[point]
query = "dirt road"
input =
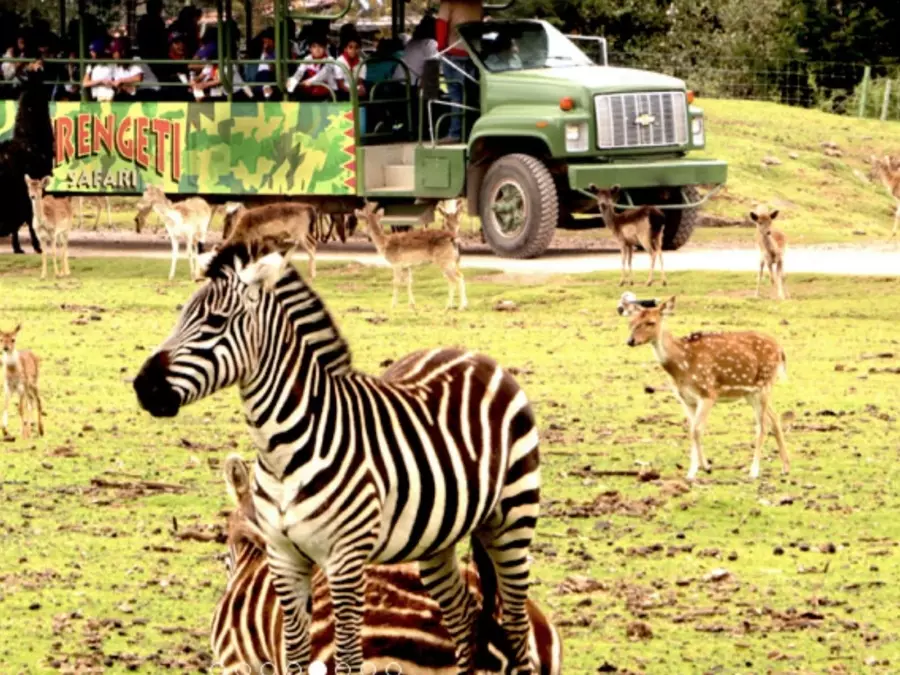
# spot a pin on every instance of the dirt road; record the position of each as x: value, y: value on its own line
x: 874, y: 259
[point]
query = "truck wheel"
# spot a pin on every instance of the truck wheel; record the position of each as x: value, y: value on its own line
x: 680, y: 224
x: 519, y: 206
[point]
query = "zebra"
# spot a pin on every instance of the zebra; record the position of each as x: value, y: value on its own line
x: 355, y: 469
x: 402, y: 630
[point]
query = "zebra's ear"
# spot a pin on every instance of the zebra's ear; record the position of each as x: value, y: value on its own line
x: 204, y: 259
x: 237, y: 478
x: 264, y: 272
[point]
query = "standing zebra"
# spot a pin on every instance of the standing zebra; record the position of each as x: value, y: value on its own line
x: 354, y: 469
x: 402, y: 624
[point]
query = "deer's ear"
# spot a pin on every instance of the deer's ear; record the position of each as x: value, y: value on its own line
x: 237, y: 478
x: 17, y: 329
x: 773, y: 215
x: 264, y: 272
x: 379, y: 214
x: 593, y: 188
x: 615, y: 190
x: 668, y: 307
x: 45, y: 181
x: 754, y: 217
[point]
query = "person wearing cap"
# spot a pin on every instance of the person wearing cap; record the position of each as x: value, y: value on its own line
x: 99, y: 78
x: 127, y: 77
x: 451, y: 14
x: 265, y: 72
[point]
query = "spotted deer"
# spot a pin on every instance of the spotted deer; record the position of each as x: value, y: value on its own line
x: 188, y: 220
x: 52, y: 222
x: 20, y: 378
x: 641, y: 226
x: 279, y: 224
x: 451, y: 212
x: 401, y: 623
x: 771, y: 244
x: 708, y: 367
x: 888, y: 170
x: 405, y: 250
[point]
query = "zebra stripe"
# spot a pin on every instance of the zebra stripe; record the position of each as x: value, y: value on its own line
x: 353, y: 469
x: 402, y: 623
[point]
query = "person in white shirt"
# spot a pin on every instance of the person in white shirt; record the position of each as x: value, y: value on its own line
x: 350, y: 59
x: 315, y: 81
x: 421, y: 48
x: 99, y: 78
x: 127, y: 77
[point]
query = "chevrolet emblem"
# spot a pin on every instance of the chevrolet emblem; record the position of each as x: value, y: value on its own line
x: 645, y: 120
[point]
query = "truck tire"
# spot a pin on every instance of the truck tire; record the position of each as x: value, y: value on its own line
x: 680, y: 224
x: 519, y: 206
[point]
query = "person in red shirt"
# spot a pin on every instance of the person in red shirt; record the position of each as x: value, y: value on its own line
x: 451, y: 14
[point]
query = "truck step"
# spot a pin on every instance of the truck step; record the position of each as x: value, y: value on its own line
x: 401, y: 177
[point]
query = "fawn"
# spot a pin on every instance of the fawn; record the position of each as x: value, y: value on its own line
x: 278, y: 224
x: 771, y: 244
x: 20, y: 377
x: 643, y: 225
x: 188, y: 220
x: 452, y: 215
x: 404, y: 250
x: 52, y: 223
x: 889, y: 172
x: 709, y: 367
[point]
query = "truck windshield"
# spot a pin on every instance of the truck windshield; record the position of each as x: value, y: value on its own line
x: 521, y: 45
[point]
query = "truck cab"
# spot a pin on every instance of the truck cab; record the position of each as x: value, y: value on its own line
x: 542, y: 122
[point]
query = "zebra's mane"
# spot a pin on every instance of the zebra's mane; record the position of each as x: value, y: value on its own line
x: 222, y: 266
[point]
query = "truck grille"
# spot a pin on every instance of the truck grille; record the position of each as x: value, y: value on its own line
x: 641, y: 120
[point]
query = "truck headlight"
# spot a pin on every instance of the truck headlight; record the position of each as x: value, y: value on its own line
x: 576, y: 137
x: 698, y: 137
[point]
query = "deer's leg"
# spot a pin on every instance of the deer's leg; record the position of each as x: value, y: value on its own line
x: 779, y: 269
x: 291, y: 576
x: 43, y: 264
x: 646, y: 242
x: 409, y: 292
x: 450, y: 276
x: 174, y: 257
x: 443, y: 582
x: 108, y: 213
x: 7, y: 394
x: 24, y: 420
x: 762, y: 265
x: 896, y: 223
x: 759, y: 402
x: 463, y: 300
x: 65, y: 253
x: 397, y: 273
x: 623, y: 250
x: 659, y: 256
x: 698, y: 424
x: 39, y: 409
x: 779, y: 438
x: 35, y: 240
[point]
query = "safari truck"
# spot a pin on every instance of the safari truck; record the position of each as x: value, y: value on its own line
x: 542, y: 121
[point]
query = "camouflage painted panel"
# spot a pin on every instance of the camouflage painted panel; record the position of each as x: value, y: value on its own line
x: 201, y: 148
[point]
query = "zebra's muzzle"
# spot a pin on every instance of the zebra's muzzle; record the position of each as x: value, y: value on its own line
x: 154, y: 392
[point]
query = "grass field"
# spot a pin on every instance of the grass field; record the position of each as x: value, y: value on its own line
x: 822, y: 199
x: 94, y: 574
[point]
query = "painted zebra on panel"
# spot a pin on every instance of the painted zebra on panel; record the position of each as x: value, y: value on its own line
x: 355, y: 469
x: 402, y: 630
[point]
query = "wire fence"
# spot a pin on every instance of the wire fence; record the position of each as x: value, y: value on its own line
x: 856, y: 89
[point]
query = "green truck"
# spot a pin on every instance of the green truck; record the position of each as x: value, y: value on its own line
x: 542, y: 122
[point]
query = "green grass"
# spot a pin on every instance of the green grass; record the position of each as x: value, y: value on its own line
x: 822, y: 199
x: 93, y: 575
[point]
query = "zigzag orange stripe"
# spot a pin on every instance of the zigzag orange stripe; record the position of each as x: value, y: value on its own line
x: 350, y: 150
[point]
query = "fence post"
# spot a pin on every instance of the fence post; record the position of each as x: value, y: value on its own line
x: 864, y: 97
x: 886, y: 104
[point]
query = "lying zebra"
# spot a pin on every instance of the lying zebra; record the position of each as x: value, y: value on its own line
x: 402, y: 624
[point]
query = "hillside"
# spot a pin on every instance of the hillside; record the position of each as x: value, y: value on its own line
x: 821, y: 198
